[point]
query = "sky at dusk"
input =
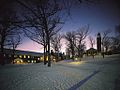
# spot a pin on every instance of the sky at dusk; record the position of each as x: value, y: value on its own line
x: 100, y: 17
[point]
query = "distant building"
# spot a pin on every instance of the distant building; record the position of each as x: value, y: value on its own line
x: 22, y: 56
x: 27, y: 57
x: 98, y: 42
x: 91, y: 52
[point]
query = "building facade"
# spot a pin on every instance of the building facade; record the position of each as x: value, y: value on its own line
x: 22, y: 56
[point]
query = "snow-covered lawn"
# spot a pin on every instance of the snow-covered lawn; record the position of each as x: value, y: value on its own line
x: 62, y: 75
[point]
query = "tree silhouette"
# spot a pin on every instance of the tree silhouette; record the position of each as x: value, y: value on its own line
x: 14, y: 42
x: 105, y: 40
x: 8, y: 25
x: 71, y: 38
x: 92, y: 41
x: 43, y: 21
x: 76, y: 41
x: 56, y: 44
x: 116, y: 40
x: 81, y: 36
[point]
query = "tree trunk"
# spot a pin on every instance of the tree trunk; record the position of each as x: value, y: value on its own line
x: 13, y: 56
x: 73, y: 53
x: 49, y: 58
x: 45, y: 49
x: 78, y: 52
x: 106, y: 49
x: 2, y: 45
x: 103, y: 51
x: 2, y: 54
x: 57, y: 55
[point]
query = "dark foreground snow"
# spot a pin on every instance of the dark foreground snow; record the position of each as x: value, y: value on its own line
x: 89, y: 74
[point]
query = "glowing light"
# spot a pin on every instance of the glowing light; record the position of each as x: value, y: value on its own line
x: 41, y: 58
x: 76, y: 58
x: 75, y: 63
x: 18, y: 61
x: 38, y: 58
x: 28, y: 56
x: 32, y: 61
x: 20, y: 56
x: 21, y: 61
x: 54, y: 59
x: 24, y: 56
x: 47, y: 58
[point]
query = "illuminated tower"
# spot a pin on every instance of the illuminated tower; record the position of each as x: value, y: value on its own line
x: 99, y: 42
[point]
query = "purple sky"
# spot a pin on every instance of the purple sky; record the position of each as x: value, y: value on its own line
x: 100, y: 17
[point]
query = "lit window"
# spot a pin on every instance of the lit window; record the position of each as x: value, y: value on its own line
x: 32, y: 61
x: 41, y: 58
x: 28, y: 56
x: 20, y: 56
x: 76, y: 58
x: 24, y: 56
x: 47, y: 58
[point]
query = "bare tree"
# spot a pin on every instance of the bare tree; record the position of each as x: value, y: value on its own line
x: 7, y: 24
x: 115, y: 45
x: 76, y: 41
x: 14, y: 42
x: 56, y: 44
x: 116, y: 40
x: 81, y: 35
x: 107, y: 43
x: 105, y: 40
x: 92, y: 41
x: 71, y: 38
x: 43, y: 19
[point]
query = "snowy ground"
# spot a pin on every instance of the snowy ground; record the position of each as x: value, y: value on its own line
x: 89, y: 74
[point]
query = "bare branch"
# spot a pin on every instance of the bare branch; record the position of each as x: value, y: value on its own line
x: 92, y: 41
